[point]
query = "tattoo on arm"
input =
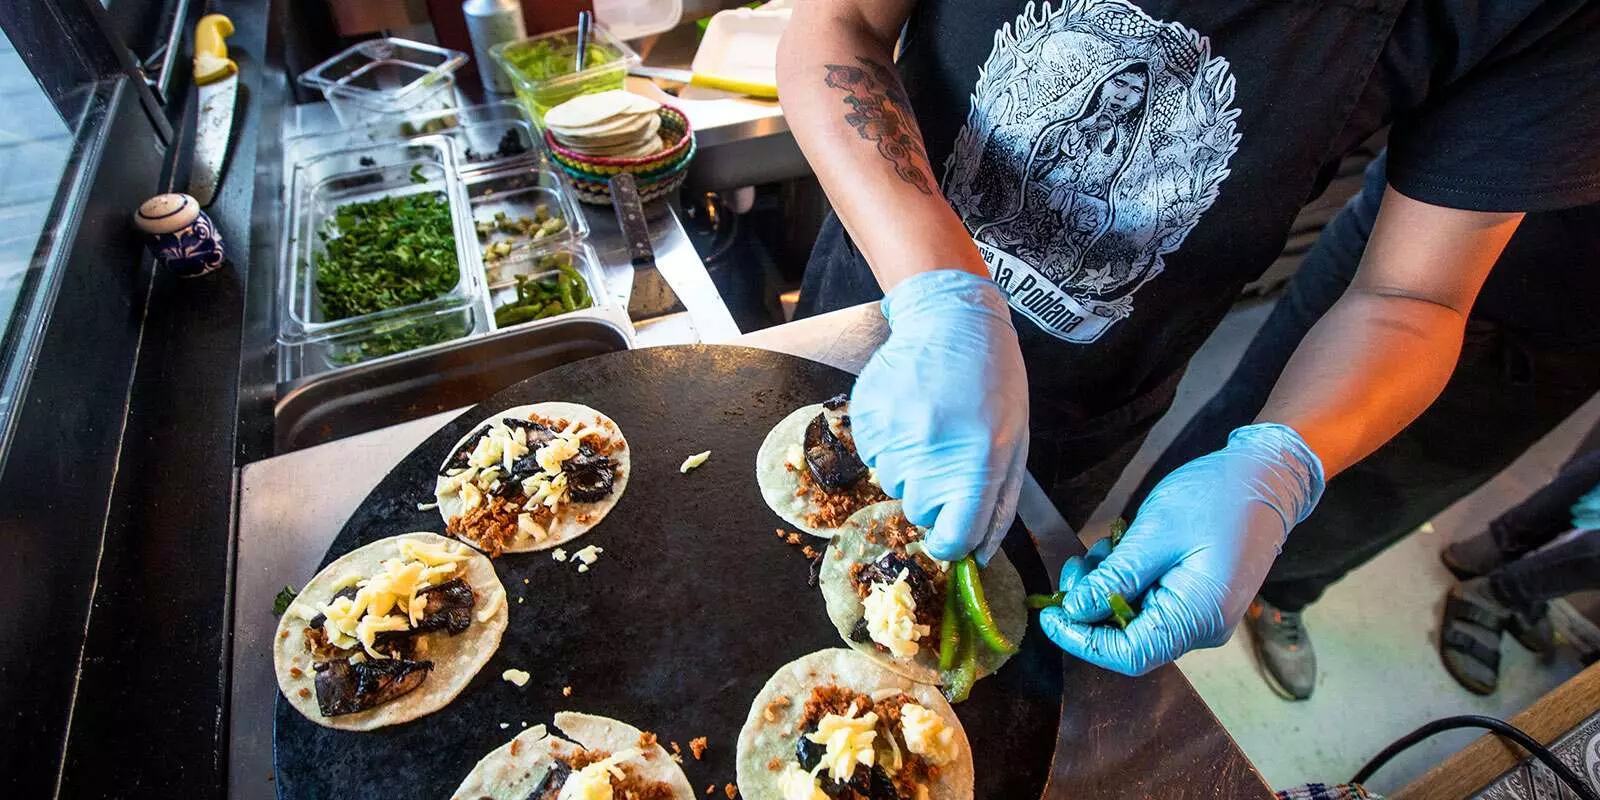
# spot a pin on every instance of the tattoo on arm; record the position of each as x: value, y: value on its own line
x: 881, y: 113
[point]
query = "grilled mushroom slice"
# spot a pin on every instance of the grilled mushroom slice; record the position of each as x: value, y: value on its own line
x: 589, y: 475
x: 344, y: 687
x: 832, y: 458
x: 549, y: 787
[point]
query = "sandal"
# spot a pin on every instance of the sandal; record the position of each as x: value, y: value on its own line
x: 1536, y: 633
x: 1469, y: 636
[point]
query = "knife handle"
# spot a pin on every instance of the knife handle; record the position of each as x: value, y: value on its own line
x: 211, y: 62
x: 630, y: 219
x: 765, y: 91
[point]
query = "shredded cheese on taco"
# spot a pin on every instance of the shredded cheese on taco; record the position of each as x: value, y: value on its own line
x: 891, y: 614
x: 848, y: 740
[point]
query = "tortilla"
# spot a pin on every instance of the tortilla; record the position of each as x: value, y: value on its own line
x: 779, y: 483
x: 565, y: 527
x: 455, y: 658
x: 587, y: 110
x: 762, y: 740
x: 619, y: 128
x: 515, y: 768
x: 1002, y: 587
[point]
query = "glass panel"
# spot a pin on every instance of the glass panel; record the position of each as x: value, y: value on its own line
x: 39, y: 155
x: 35, y: 144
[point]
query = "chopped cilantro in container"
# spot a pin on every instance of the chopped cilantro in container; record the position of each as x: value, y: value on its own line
x: 402, y: 338
x: 386, y: 253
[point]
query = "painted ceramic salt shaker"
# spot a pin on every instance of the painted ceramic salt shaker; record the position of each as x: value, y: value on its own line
x: 180, y: 235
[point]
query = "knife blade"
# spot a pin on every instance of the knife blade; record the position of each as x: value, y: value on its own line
x: 218, y: 79
x: 651, y: 297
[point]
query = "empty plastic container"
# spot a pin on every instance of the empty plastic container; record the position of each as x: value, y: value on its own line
x: 387, y: 78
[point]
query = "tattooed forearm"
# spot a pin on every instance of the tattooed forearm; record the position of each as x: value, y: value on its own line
x: 881, y: 113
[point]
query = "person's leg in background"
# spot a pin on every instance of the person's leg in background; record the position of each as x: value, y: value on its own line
x: 1496, y: 405
x: 1532, y: 523
x: 1506, y: 585
x: 1476, y: 611
x: 1563, y: 569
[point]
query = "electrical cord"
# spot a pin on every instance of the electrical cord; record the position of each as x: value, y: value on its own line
x: 1578, y: 785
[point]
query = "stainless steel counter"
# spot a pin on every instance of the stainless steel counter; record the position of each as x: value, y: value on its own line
x: 291, y: 507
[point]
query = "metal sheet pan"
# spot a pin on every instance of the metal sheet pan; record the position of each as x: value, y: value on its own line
x: 380, y: 393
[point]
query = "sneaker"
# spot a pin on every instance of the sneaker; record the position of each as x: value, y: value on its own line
x: 1473, y: 557
x: 1283, y: 647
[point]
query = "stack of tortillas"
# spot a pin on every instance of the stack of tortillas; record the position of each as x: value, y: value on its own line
x: 614, y: 124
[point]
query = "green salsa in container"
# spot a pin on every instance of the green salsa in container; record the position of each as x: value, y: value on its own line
x: 545, y: 72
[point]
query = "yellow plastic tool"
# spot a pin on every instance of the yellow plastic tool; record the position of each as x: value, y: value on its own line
x: 211, y: 62
x: 747, y: 88
x: 730, y: 85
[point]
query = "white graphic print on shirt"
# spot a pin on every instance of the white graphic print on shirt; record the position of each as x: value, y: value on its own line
x: 1097, y: 138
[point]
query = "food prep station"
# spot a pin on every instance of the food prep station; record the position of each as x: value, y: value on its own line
x: 491, y: 163
x: 340, y: 408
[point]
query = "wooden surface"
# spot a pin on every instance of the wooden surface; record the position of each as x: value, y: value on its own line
x: 1163, y: 742
x: 1487, y: 758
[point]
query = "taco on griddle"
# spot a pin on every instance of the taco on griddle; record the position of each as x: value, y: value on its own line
x: 809, y: 472
x: 835, y: 725
x: 886, y: 596
x: 532, y: 477
x: 389, y: 632
x: 601, y: 757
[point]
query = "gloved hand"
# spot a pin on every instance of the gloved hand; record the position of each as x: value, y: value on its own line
x: 1586, y: 512
x: 1198, y: 550
x: 941, y: 411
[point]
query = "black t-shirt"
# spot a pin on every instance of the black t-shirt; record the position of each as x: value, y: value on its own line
x: 1126, y: 168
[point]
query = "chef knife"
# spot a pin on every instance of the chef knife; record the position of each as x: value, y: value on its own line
x: 218, y: 79
x: 651, y: 296
x: 750, y: 88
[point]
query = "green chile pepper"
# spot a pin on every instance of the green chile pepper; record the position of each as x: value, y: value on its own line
x: 977, y: 608
x: 950, y: 629
x: 1121, y: 613
x: 958, y: 682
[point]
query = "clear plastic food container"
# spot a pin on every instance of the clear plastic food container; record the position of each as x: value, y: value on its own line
x: 636, y: 19
x: 502, y: 199
x: 544, y: 68
x: 324, y: 185
x: 543, y: 296
x: 382, y: 79
x: 486, y: 137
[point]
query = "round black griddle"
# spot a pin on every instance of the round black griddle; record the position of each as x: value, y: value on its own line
x: 693, y: 605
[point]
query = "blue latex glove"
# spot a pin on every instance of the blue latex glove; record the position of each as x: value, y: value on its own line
x: 941, y: 411
x: 1197, y: 552
x: 1586, y: 512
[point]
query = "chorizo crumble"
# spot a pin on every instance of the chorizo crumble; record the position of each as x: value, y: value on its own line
x: 832, y: 699
x: 829, y: 509
x: 894, y: 533
x: 631, y: 786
